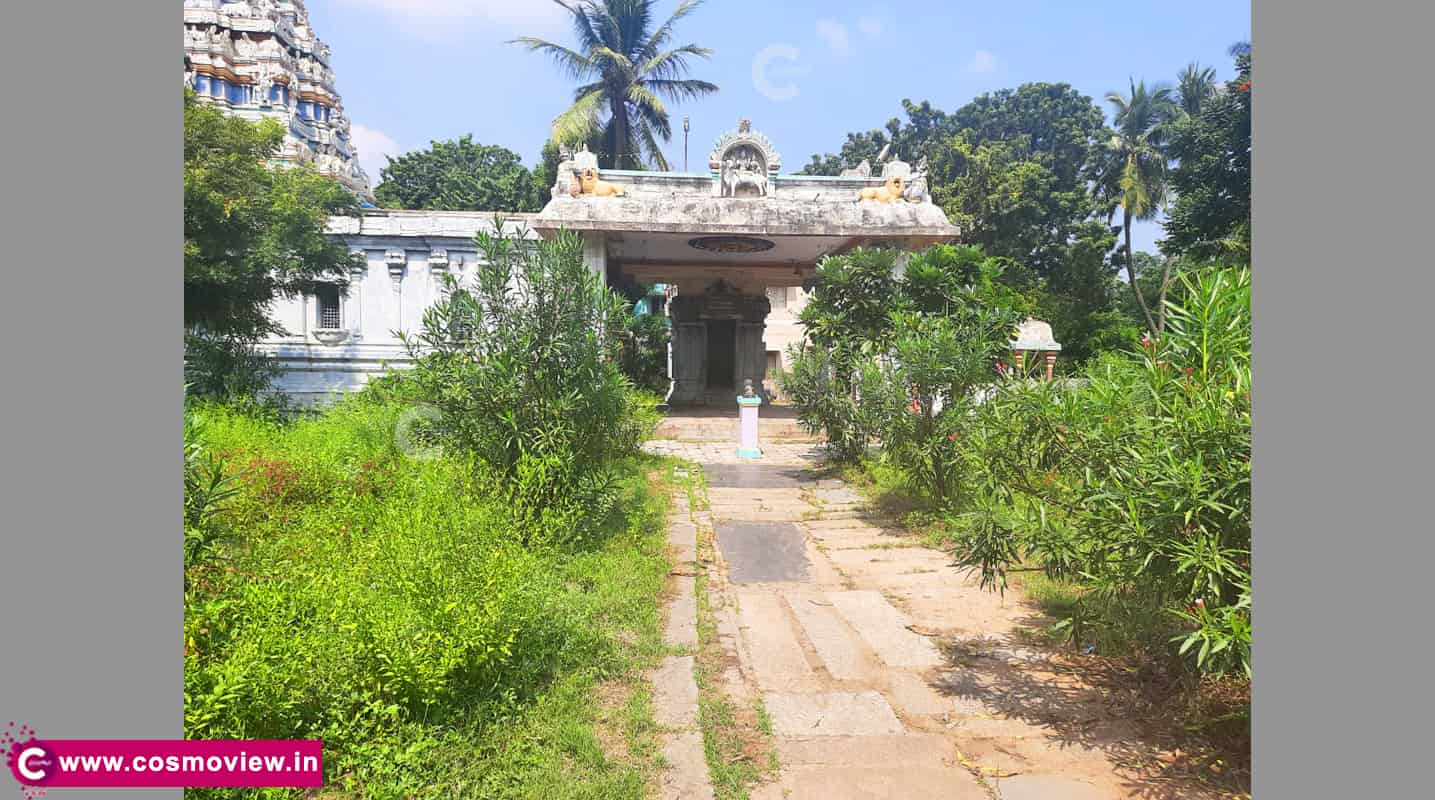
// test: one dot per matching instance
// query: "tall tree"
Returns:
(905, 140)
(1012, 169)
(252, 234)
(1211, 216)
(458, 175)
(1194, 85)
(627, 74)
(1134, 179)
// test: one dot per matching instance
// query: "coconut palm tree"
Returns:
(626, 74)
(1134, 178)
(1193, 85)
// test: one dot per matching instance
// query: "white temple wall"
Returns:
(405, 254)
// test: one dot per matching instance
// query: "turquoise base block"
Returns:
(743, 452)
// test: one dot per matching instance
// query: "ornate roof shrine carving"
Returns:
(743, 163)
(744, 195)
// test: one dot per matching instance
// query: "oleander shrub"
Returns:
(522, 364)
(1136, 486)
(876, 343)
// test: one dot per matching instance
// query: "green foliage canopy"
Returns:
(252, 234)
(1211, 218)
(460, 175)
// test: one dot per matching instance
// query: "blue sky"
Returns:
(804, 72)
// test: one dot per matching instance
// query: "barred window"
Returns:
(328, 304)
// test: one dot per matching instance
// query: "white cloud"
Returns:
(835, 35)
(982, 62)
(871, 27)
(373, 145)
(449, 20)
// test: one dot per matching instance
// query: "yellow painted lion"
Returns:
(891, 192)
(592, 185)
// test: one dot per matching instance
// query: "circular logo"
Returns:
(33, 763)
(416, 432)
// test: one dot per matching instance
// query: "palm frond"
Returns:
(576, 65)
(640, 96)
(581, 17)
(654, 152)
(579, 122)
(673, 64)
(651, 110)
(664, 32)
(603, 55)
(678, 91)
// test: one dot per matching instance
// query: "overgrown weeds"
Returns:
(384, 604)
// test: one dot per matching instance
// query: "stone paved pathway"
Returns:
(885, 672)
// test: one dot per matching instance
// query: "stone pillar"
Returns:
(690, 350)
(751, 357)
(595, 255)
(355, 316)
(1020, 362)
(1050, 365)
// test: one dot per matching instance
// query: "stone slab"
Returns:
(843, 525)
(880, 783)
(1049, 787)
(686, 777)
(755, 476)
(884, 628)
(846, 751)
(775, 655)
(683, 538)
(831, 714)
(912, 695)
(682, 628)
(675, 693)
(862, 540)
(840, 649)
(758, 552)
(839, 494)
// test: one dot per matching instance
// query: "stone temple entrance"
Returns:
(722, 342)
(717, 343)
(723, 239)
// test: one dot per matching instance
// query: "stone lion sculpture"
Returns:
(591, 184)
(887, 193)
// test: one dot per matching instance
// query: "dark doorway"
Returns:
(722, 351)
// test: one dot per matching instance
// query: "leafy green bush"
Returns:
(845, 323)
(645, 352)
(385, 605)
(522, 366)
(938, 361)
(897, 359)
(209, 486)
(1138, 484)
(827, 389)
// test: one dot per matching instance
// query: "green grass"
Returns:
(380, 603)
